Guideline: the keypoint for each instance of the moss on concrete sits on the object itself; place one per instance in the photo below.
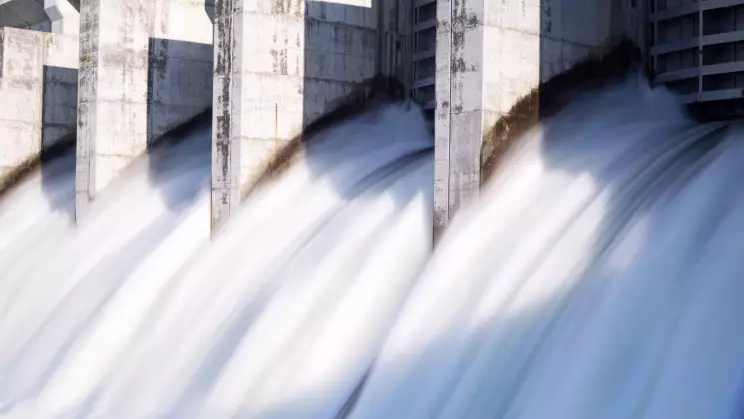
(592, 73)
(66, 145)
(12, 179)
(373, 93)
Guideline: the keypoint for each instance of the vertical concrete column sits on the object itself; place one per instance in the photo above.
(226, 110)
(112, 95)
(461, 116)
(65, 18)
(278, 66)
(21, 88)
(442, 115)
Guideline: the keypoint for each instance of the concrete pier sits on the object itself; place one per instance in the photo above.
(21, 82)
(492, 53)
(279, 65)
(146, 67)
(38, 89)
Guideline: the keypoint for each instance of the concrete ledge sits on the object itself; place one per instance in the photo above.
(714, 95)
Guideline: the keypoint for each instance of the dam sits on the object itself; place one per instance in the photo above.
(370, 209)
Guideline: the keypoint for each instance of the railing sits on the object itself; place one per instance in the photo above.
(424, 51)
(697, 48)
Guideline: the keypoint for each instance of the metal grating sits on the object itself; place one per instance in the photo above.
(697, 48)
(424, 51)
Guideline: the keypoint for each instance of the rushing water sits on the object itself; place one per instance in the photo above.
(599, 276)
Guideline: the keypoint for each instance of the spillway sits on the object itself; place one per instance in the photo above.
(598, 276)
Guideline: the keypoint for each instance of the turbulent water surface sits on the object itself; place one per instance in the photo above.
(599, 276)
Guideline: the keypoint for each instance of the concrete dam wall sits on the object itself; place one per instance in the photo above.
(598, 273)
(270, 68)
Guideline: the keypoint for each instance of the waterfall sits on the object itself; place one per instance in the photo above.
(598, 276)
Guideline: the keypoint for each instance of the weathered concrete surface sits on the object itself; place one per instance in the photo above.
(37, 91)
(490, 54)
(21, 81)
(279, 65)
(227, 103)
(112, 92)
(145, 68)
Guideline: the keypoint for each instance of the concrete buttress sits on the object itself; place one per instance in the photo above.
(145, 67)
(492, 53)
(281, 64)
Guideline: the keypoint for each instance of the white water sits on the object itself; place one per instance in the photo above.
(599, 276)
